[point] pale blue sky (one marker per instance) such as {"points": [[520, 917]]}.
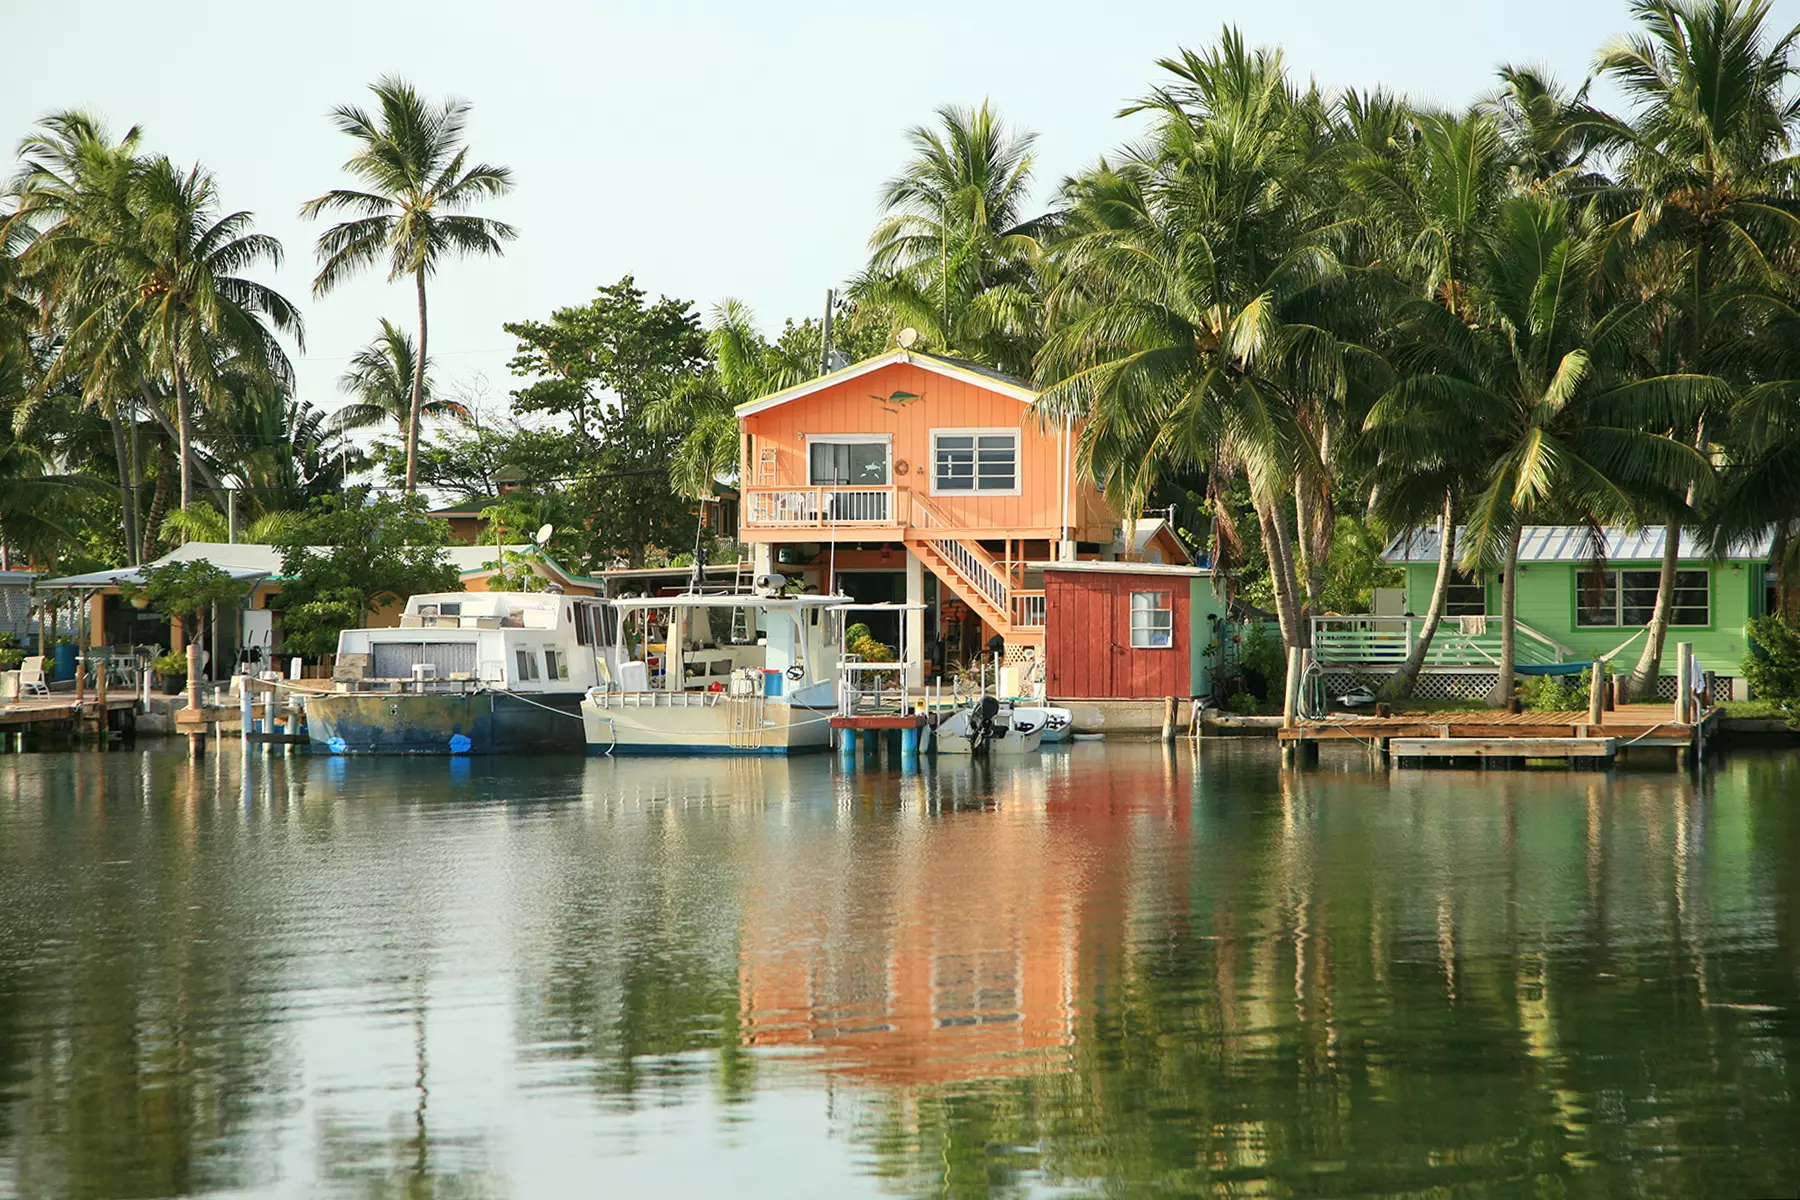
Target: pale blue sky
{"points": [[713, 149]]}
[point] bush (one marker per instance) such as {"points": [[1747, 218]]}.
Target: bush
{"points": [[1772, 663], [1554, 693], [1263, 657], [172, 665]]}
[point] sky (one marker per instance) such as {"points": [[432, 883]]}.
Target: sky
{"points": [[713, 150]]}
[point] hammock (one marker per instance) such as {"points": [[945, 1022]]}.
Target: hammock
{"points": [[1571, 668]]}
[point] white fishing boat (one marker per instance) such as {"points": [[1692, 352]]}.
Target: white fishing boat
{"points": [[465, 673], [987, 727], [1059, 723], [738, 673]]}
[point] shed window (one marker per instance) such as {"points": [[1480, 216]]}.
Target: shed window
{"points": [[1152, 621], [1627, 598], [975, 460]]}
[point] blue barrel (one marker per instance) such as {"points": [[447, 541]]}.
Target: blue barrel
{"points": [[64, 662], [771, 681]]}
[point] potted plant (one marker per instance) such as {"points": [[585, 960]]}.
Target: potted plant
{"points": [[171, 670]]}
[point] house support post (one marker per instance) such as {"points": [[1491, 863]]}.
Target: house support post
{"points": [[1596, 693], [915, 621]]}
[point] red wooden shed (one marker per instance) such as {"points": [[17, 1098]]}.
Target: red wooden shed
{"points": [[1125, 630]]}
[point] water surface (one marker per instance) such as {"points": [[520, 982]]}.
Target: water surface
{"points": [[1112, 972]]}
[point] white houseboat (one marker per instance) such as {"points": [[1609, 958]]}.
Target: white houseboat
{"points": [[466, 673], [717, 674]]}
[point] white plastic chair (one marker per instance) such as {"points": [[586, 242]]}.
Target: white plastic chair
{"points": [[31, 677]]}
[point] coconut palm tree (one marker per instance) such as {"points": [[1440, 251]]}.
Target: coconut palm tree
{"points": [[381, 379], [955, 255], [411, 213], [1520, 389], [73, 211], [1190, 317], [1708, 171], [703, 407], [176, 284]]}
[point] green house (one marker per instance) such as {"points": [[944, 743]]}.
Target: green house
{"points": [[1576, 601]]}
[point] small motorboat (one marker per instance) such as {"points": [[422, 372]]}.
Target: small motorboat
{"points": [[987, 728], [1059, 723]]}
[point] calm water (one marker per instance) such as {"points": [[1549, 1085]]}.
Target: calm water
{"points": [[1109, 973]]}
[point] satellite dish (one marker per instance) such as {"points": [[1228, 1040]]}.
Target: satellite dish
{"points": [[543, 534], [906, 337]]}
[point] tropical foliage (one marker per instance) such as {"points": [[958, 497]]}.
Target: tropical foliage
{"points": [[1297, 320]]}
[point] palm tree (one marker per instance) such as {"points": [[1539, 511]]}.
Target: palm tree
{"points": [[954, 255], [74, 187], [177, 276], [1709, 173], [1191, 319], [703, 407], [1520, 390], [412, 215], [381, 378]]}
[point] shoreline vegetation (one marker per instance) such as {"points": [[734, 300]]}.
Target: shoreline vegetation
{"points": [[1298, 320]]}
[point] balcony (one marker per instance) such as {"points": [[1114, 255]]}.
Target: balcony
{"points": [[1474, 642], [823, 507]]}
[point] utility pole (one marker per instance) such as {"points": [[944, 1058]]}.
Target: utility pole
{"points": [[231, 514], [825, 342]]}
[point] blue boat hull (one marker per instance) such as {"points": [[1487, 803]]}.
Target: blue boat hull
{"points": [[444, 723]]}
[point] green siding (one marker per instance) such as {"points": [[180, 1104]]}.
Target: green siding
{"points": [[1202, 602], [1547, 604]]}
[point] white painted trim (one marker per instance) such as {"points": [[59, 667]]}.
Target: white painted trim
{"points": [[850, 439], [976, 493], [856, 370]]}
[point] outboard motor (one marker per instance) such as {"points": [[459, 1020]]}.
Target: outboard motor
{"points": [[984, 724]]}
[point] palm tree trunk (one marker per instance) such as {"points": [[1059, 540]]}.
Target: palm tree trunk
{"points": [[1281, 575], [127, 494], [152, 524], [418, 393], [182, 432], [1642, 681], [1509, 620], [1401, 685]]}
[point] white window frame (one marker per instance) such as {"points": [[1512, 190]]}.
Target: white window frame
{"points": [[1617, 588], [1165, 605], [850, 439], [530, 667], [976, 492]]}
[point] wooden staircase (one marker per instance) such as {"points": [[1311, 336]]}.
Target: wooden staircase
{"points": [[976, 577]]}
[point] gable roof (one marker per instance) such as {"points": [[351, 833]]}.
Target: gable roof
{"points": [[950, 368], [1572, 544]]}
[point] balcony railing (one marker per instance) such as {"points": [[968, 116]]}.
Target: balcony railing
{"points": [[821, 507], [1460, 642], [1028, 609]]}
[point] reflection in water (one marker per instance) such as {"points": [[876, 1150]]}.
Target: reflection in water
{"points": [[1112, 970]]}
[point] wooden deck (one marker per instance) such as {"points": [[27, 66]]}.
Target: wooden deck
{"points": [[59, 710], [1499, 735]]}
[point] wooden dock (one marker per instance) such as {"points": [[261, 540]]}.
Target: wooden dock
{"points": [[1502, 738], [65, 714]]}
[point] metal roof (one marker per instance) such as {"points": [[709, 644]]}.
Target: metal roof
{"points": [[250, 561], [1575, 544], [1125, 568]]}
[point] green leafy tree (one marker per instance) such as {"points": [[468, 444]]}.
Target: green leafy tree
{"points": [[702, 408], [350, 555], [187, 591], [411, 209]]}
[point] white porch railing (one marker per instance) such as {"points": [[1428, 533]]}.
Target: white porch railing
{"points": [[1459, 642], [820, 507], [1028, 609]]}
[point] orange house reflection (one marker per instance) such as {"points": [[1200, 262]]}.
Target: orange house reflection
{"points": [[964, 954]]}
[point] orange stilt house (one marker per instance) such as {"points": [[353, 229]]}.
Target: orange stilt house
{"points": [[919, 478]]}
